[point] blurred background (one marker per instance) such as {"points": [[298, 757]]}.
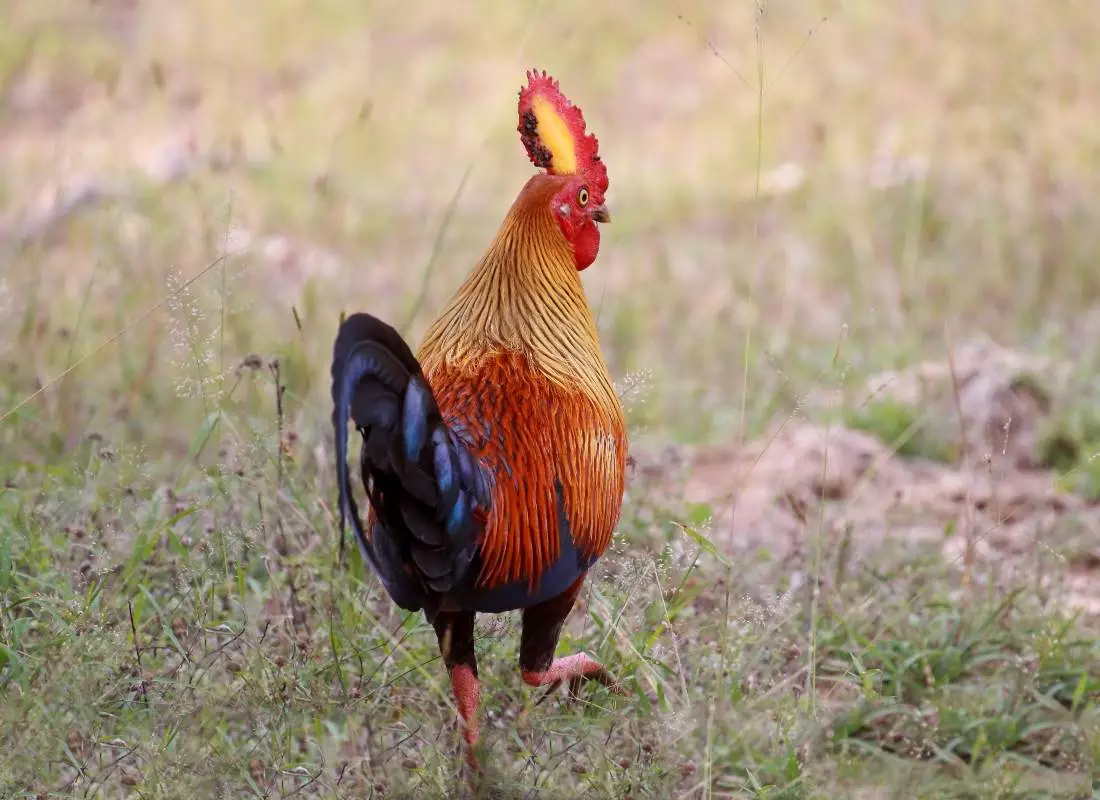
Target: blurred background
{"points": [[883, 214], [802, 186]]}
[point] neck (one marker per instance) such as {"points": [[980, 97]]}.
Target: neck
{"points": [[524, 296]]}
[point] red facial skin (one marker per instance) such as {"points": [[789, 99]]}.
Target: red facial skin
{"points": [[578, 208]]}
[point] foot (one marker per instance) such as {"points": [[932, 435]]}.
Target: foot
{"points": [[467, 693], [576, 669]]}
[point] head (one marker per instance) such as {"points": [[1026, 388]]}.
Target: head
{"points": [[552, 130]]}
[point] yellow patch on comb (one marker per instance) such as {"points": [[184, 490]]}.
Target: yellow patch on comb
{"points": [[554, 134]]}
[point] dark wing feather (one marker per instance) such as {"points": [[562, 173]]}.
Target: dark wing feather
{"points": [[428, 493]]}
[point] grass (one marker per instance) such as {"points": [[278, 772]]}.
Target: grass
{"points": [[901, 424], [805, 194]]}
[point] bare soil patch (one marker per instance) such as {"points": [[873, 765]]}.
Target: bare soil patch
{"points": [[803, 478]]}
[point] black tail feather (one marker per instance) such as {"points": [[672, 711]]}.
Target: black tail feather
{"points": [[421, 480]]}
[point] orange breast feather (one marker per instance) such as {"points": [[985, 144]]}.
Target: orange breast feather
{"points": [[527, 431]]}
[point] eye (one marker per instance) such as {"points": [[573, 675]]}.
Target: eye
{"points": [[582, 197]]}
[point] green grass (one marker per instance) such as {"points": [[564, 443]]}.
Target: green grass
{"points": [[900, 425], [174, 619]]}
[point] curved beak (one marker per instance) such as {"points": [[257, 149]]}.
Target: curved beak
{"points": [[600, 214]]}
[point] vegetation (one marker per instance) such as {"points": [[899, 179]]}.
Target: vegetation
{"points": [[805, 194]]}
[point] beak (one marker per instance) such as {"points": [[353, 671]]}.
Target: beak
{"points": [[600, 214]]}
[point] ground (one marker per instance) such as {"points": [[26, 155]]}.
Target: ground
{"points": [[848, 296]]}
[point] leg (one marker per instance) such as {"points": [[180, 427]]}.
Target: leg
{"points": [[542, 626], [455, 632]]}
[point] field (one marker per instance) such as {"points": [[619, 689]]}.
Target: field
{"points": [[849, 296]]}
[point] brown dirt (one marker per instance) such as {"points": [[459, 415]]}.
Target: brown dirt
{"points": [[989, 399], [801, 478]]}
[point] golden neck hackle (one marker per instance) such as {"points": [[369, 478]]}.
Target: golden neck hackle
{"points": [[524, 296]]}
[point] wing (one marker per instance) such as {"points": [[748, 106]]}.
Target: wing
{"points": [[427, 493]]}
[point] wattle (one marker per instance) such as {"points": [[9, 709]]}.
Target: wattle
{"points": [[586, 244]]}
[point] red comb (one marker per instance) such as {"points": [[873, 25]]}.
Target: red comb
{"points": [[586, 147]]}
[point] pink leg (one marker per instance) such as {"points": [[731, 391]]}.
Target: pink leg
{"points": [[456, 644], [467, 693], [576, 669], [542, 626]]}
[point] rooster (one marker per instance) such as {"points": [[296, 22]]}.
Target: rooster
{"points": [[493, 460]]}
